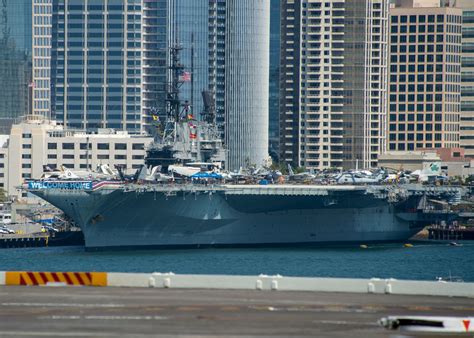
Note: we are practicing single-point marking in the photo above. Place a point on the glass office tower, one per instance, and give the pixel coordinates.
(246, 53)
(41, 56)
(15, 60)
(189, 28)
(108, 62)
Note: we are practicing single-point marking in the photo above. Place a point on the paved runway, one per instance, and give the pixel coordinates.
(141, 312)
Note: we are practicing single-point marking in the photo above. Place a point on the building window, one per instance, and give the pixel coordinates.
(120, 146)
(27, 146)
(52, 156)
(26, 135)
(137, 157)
(68, 145)
(26, 165)
(102, 157)
(103, 146)
(26, 156)
(52, 146)
(138, 146)
(26, 175)
(68, 157)
(120, 157)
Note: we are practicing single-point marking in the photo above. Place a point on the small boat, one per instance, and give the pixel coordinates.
(455, 244)
(450, 278)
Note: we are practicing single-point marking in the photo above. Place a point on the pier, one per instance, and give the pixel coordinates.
(450, 234)
(63, 238)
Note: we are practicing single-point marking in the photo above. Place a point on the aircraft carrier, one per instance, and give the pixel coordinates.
(125, 215)
(118, 213)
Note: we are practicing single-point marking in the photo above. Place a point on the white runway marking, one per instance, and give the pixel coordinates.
(344, 322)
(64, 305)
(54, 334)
(104, 317)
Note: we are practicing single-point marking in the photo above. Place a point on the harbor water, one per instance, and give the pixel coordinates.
(423, 261)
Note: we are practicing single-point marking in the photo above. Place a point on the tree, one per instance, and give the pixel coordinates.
(281, 166)
(3, 195)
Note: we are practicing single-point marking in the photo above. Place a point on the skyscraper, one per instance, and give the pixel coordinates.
(333, 82)
(425, 77)
(217, 52)
(467, 78)
(239, 75)
(108, 62)
(15, 60)
(273, 103)
(154, 65)
(41, 83)
(189, 28)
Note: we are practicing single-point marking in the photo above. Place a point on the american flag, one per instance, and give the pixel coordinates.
(185, 77)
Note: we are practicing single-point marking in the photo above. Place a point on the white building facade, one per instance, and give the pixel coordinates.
(35, 143)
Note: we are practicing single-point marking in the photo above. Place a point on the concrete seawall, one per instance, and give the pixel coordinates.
(222, 282)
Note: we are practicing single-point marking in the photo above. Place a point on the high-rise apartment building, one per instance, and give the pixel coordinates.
(154, 58)
(333, 77)
(274, 89)
(108, 62)
(217, 52)
(467, 78)
(425, 77)
(15, 60)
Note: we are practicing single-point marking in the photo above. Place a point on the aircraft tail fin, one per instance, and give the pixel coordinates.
(141, 173)
(120, 172)
(290, 170)
(433, 168)
(47, 168)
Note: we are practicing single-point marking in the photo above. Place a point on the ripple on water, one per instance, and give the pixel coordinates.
(421, 262)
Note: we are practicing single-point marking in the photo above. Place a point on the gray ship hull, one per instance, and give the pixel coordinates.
(250, 216)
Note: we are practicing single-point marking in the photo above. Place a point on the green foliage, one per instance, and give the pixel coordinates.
(299, 170)
(469, 179)
(282, 167)
(3, 195)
